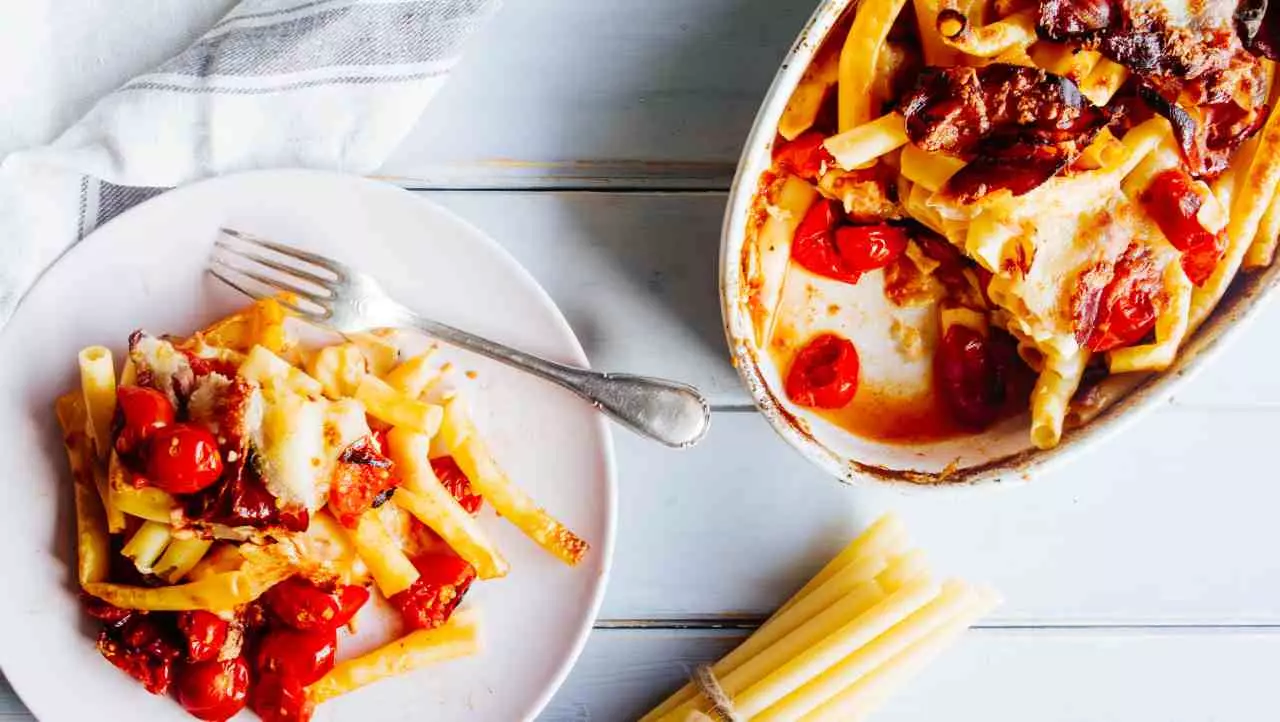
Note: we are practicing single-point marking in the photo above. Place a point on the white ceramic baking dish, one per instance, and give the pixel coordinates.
(1002, 453)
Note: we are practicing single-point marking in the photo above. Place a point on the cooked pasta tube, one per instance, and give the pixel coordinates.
(380, 351)
(792, 199)
(1015, 31)
(953, 600)
(936, 51)
(860, 145)
(800, 669)
(1257, 187)
(930, 170)
(93, 544)
(414, 376)
(221, 592)
(887, 536)
(806, 100)
(851, 586)
(263, 366)
(98, 384)
(1171, 328)
(147, 544)
(491, 482)
(459, 637)
(386, 404)
(180, 557)
(1052, 394)
(391, 569)
(422, 495)
(1263, 249)
(867, 35)
(1068, 61)
(146, 502)
(859, 700)
(1103, 81)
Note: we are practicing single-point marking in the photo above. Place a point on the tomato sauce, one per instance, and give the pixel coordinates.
(881, 415)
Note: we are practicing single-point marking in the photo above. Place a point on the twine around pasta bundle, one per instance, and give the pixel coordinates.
(722, 708)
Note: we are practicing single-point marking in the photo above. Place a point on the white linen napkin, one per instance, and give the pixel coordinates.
(331, 84)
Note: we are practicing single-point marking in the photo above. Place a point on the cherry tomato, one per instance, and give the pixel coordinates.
(205, 634)
(1174, 201)
(141, 648)
(968, 377)
(105, 612)
(443, 580)
(1126, 310)
(140, 412)
(824, 374)
(866, 248)
(302, 605)
(813, 246)
(805, 156)
(214, 690)
(183, 458)
(362, 480)
(295, 654)
(280, 699)
(457, 483)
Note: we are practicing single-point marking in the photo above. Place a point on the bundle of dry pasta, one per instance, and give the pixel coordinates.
(867, 622)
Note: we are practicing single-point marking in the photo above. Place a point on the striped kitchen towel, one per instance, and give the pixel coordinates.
(329, 84)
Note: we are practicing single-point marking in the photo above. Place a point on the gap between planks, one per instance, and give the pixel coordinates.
(750, 623)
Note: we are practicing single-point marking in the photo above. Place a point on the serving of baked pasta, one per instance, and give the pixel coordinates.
(1018, 206)
(240, 496)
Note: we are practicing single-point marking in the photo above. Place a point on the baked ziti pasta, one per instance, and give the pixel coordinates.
(239, 497)
(1067, 190)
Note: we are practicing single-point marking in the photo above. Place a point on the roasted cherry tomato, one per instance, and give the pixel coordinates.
(142, 648)
(866, 248)
(1174, 201)
(302, 605)
(457, 483)
(1127, 309)
(214, 690)
(443, 580)
(294, 654)
(205, 634)
(813, 246)
(968, 377)
(805, 156)
(183, 458)
(363, 479)
(280, 699)
(105, 612)
(140, 412)
(824, 374)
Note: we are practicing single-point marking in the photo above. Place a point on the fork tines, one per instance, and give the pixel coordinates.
(303, 281)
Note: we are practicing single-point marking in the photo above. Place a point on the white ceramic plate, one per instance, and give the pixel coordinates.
(145, 269)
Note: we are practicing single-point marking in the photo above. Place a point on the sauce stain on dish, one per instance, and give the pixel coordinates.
(880, 415)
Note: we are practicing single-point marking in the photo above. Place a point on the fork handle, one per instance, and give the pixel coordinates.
(673, 413)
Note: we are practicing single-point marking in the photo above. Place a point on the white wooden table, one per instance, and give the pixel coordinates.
(596, 139)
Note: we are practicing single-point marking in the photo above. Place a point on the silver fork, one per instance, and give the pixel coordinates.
(336, 296)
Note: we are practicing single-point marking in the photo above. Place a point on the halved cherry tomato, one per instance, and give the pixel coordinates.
(142, 648)
(302, 605)
(1127, 308)
(805, 156)
(453, 478)
(295, 654)
(362, 480)
(140, 412)
(443, 580)
(183, 458)
(280, 699)
(824, 374)
(215, 690)
(1174, 201)
(205, 634)
(866, 248)
(968, 377)
(813, 246)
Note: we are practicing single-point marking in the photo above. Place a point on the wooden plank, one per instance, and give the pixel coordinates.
(1171, 522)
(997, 675)
(607, 93)
(636, 274)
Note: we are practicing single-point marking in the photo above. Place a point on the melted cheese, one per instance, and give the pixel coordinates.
(164, 363)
